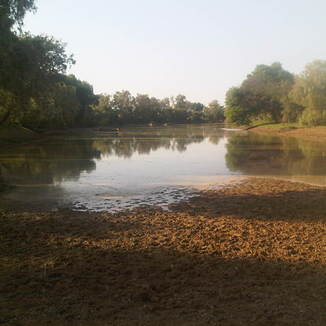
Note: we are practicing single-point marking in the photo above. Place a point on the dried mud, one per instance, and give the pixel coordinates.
(248, 254)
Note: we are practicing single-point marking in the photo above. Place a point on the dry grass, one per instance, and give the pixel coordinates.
(249, 254)
(313, 133)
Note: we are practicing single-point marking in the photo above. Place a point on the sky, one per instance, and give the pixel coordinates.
(198, 48)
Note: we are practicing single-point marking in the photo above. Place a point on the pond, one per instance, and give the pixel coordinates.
(148, 166)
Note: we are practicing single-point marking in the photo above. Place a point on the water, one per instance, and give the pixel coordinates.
(149, 166)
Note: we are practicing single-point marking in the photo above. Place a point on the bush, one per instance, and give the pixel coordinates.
(311, 117)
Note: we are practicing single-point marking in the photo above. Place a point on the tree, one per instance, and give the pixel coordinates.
(36, 64)
(104, 114)
(13, 12)
(309, 92)
(262, 95)
(68, 103)
(269, 86)
(180, 108)
(86, 99)
(145, 108)
(180, 102)
(29, 65)
(271, 81)
(237, 110)
(214, 112)
(123, 102)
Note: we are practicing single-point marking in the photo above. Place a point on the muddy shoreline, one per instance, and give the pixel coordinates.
(314, 133)
(252, 253)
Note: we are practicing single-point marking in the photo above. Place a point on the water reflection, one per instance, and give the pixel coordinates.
(255, 154)
(149, 165)
(91, 171)
(47, 163)
(146, 140)
(61, 160)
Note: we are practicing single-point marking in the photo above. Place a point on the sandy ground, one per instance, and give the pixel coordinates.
(314, 133)
(252, 253)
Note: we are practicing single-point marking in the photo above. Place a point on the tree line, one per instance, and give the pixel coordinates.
(272, 94)
(122, 107)
(36, 92)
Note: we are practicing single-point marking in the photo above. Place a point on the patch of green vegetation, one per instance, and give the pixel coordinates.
(258, 122)
(260, 96)
(283, 126)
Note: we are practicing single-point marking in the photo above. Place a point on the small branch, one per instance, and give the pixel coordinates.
(261, 124)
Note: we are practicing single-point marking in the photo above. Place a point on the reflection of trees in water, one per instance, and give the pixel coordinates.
(63, 160)
(215, 139)
(147, 140)
(53, 162)
(48, 163)
(125, 148)
(262, 154)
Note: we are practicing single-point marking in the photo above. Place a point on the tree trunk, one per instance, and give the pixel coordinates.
(262, 124)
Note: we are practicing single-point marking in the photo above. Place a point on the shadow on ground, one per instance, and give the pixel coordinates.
(167, 268)
(263, 199)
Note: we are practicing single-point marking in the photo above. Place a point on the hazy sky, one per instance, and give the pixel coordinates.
(198, 48)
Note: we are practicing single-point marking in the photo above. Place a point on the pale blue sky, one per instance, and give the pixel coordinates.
(198, 48)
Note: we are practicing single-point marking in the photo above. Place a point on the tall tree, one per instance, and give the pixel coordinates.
(29, 65)
(261, 95)
(124, 103)
(309, 92)
(12, 12)
(214, 112)
(238, 110)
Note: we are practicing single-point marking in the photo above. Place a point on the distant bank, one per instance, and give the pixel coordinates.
(292, 130)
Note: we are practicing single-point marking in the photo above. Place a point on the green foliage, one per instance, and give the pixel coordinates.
(309, 92)
(32, 81)
(273, 94)
(36, 62)
(261, 95)
(310, 86)
(36, 92)
(214, 112)
(67, 104)
(271, 81)
(291, 111)
(123, 108)
(13, 12)
(236, 111)
(312, 117)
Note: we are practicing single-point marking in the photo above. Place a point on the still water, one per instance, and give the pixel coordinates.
(149, 166)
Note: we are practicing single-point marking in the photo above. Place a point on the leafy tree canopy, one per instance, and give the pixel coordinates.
(12, 12)
(261, 95)
(309, 92)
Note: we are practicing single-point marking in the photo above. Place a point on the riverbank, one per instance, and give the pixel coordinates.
(293, 130)
(11, 135)
(16, 135)
(249, 254)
